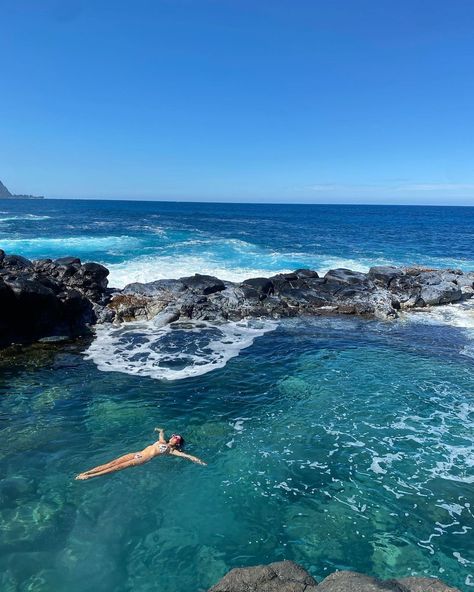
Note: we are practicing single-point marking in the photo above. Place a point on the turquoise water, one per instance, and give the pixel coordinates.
(339, 443)
(333, 443)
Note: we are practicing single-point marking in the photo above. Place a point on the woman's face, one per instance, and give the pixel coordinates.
(174, 441)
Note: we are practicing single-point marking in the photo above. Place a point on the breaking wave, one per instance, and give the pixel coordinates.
(6, 217)
(232, 268)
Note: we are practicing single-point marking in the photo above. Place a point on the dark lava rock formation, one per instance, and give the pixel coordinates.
(381, 293)
(287, 576)
(47, 299)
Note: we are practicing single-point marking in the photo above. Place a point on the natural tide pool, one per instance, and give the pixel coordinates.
(338, 443)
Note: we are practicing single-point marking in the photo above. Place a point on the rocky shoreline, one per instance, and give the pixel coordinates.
(47, 299)
(64, 298)
(287, 576)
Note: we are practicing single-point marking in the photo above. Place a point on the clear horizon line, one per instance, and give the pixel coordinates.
(283, 203)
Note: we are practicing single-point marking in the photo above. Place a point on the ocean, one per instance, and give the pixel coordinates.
(340, 443)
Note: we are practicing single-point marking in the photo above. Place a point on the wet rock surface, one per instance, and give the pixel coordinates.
(64, 297)
(287, 576)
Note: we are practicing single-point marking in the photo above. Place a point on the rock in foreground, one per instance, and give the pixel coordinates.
(282, 576)
(287, 576)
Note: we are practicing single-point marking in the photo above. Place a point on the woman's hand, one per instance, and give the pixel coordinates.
(159, 430)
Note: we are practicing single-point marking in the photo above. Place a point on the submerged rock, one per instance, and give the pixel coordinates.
(287, 576)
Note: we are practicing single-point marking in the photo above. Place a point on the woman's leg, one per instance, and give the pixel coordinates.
(112, 469)
(112, 463)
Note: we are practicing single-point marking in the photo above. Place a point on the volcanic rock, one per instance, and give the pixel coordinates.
(283, 576)
(287, 576)
(46, 298)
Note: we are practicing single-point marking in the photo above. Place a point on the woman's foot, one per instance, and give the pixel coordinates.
(82, 477)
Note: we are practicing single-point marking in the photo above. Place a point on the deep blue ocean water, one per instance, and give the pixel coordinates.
(339, 443)
(146, 240)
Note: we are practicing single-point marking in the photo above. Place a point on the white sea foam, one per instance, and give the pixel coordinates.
(10, 217)
(327, 262)
(459, 315)
(231, 268)
(386, 460)
(148, 269)
(173, 352)
(444, 470)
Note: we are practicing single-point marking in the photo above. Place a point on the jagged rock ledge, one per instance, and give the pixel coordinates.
(287, 576)
(381, 293)
(47, 299)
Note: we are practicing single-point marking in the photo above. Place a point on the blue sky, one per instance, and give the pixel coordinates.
(233, 100)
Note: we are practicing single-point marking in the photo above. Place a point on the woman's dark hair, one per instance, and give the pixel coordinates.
(181, 439)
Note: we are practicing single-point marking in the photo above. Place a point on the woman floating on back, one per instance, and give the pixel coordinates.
(159, 448)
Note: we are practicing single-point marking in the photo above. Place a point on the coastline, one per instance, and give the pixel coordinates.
(65, 297)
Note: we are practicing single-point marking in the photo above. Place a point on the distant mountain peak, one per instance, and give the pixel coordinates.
(4, 191)
(5, 194)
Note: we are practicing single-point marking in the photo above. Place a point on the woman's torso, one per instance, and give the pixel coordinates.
(158, 448)
(155, 449)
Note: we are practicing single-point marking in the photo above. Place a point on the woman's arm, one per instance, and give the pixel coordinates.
(161, 435)
(194, 459)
